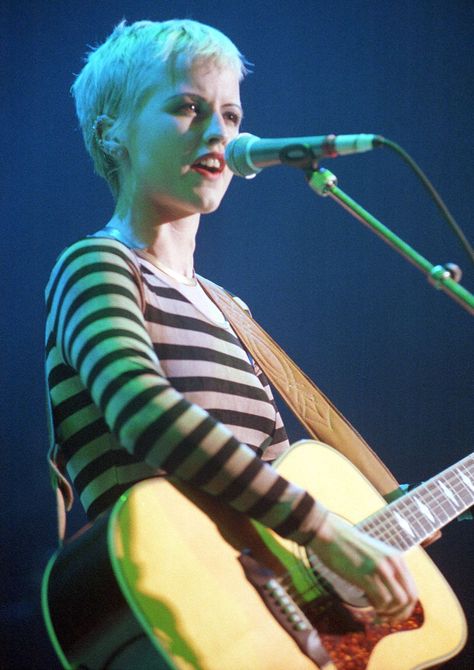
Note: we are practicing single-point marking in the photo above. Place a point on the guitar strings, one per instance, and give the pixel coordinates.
(383, 527)
(316, 584)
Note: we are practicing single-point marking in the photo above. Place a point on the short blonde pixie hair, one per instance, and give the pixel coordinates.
(114, 78)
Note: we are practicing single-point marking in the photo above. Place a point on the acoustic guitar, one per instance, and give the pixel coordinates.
(173, 579)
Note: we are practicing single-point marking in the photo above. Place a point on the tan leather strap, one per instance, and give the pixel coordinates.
(61, 486)
(318, 415)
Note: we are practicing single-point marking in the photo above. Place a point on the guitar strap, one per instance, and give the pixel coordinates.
(59, 482)
(311, 407)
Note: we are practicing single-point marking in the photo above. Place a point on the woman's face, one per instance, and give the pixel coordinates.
(176, 140)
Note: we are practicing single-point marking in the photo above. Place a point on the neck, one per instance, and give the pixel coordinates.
(171, 242)
(415, 516)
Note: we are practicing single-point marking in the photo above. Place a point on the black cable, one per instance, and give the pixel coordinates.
(382, 141)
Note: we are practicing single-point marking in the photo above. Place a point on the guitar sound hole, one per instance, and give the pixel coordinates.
(332, 583)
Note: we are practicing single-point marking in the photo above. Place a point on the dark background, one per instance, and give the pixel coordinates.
(393, 353)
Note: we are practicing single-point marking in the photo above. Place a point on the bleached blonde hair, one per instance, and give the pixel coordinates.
(118, 73)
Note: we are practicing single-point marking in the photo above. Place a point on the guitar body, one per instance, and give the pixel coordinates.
(170, 560)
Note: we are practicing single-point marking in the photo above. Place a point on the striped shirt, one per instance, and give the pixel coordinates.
(143, 383)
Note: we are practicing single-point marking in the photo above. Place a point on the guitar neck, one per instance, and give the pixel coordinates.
(415, 516)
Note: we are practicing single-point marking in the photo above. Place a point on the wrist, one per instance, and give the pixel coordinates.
(311, 525)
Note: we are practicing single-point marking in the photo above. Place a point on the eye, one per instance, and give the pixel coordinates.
(234, 118)
(189, 108)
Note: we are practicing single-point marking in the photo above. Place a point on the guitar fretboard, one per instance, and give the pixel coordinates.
(415, 516)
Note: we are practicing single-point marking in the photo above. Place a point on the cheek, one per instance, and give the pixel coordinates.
(157, 140)
(159, 158)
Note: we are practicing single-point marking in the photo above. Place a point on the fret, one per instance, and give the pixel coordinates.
(384, 527)
(403, 519)
(467, 478)
(418, 514)
(459, 487)
(437, 503)
(450, 494)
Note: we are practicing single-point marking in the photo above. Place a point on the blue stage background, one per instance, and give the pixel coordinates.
(393, 353)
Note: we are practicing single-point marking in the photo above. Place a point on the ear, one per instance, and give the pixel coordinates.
(107, 137)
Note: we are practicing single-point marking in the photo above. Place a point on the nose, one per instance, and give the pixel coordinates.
(215, 132)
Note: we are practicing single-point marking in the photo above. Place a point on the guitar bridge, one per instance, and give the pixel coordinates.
(284, 609)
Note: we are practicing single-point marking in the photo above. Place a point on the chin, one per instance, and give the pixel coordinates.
(209, 205)
(210, 197)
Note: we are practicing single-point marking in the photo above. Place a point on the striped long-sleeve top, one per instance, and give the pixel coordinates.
(143, 383)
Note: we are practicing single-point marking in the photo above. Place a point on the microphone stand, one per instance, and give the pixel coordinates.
(443, 277)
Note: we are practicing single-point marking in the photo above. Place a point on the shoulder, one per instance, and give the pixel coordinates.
(241, 303)
(93, 254)
(216, 288)
(98, 246)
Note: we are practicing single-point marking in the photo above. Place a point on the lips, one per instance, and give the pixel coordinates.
(210, 165)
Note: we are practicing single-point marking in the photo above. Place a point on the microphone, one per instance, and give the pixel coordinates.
(247, 154)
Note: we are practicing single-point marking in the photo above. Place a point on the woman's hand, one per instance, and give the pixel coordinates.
(379, 570)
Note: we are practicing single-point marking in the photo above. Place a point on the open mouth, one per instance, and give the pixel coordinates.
(210, 164)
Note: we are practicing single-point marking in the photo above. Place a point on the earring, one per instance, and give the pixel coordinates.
(112, 149)
(117, 152)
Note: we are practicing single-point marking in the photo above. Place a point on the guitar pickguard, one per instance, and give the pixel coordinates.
(326, 629)
(350, 635)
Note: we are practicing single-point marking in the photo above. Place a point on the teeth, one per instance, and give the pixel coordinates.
(210, 163)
